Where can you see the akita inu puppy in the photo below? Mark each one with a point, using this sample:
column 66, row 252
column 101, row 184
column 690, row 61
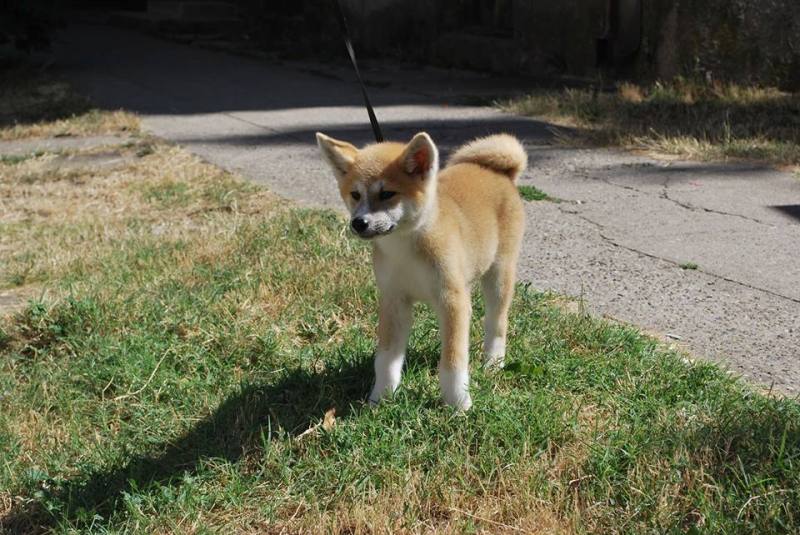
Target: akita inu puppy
column 433, row 233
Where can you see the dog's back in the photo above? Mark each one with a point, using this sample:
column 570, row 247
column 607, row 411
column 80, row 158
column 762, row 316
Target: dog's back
column 481, row 216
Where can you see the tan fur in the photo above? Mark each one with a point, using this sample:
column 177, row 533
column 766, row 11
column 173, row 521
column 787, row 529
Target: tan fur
column 467, row 225
column 501, row 153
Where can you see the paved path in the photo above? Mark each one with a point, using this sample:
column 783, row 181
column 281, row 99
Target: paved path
column 617, row 240
column 21, row 147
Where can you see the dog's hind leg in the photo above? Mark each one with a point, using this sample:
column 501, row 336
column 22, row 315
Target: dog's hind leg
column 454, row 311
column 394, row 326
column 498, row 290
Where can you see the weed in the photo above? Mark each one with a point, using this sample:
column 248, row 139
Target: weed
column 531, row 193
column 14, row 159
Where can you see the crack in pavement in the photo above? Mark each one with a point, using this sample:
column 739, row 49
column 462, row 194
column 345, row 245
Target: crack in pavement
column 694, row 208
column 601, row 229
column 664, row 194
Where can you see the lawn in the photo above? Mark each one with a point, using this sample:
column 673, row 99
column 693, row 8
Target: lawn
column 195, row 353
column 682, row 118
column 33, row 104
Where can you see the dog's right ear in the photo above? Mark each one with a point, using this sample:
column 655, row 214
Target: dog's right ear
column 339, row 154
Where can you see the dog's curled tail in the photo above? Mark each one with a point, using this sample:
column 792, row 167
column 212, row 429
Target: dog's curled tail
column 501, row 153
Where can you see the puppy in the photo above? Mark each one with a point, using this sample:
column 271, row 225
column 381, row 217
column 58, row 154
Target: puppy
column 434, row 232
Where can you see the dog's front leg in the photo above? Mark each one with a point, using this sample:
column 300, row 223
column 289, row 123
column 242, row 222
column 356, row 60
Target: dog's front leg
column 454, row 313
column 394, row 326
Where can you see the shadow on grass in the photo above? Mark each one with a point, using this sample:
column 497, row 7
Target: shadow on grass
column 774, row 118
column 293, row 403
column 740, row 122
column 28, row 96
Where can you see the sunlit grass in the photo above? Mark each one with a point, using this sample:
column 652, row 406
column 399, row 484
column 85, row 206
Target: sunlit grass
column 166, row 374
column 194, row 354
column 682, row 118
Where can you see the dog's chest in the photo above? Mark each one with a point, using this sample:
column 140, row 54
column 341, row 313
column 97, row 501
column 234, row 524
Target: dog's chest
column 399, row 268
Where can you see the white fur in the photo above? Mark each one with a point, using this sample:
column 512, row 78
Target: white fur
column 400, row 271
column 389, row 359
column 494, row 351
column 388, row 369
column 455, row 387
column 494, row 341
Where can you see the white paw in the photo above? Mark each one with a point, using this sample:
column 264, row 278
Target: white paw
column 496, row 362
column 494, row 353
column 388, row 370
column 380, row 391
column 455, row 388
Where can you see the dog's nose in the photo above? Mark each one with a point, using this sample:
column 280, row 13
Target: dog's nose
column 359, row 224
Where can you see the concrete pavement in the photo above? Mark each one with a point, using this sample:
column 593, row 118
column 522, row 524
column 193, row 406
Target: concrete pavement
column 617, row 240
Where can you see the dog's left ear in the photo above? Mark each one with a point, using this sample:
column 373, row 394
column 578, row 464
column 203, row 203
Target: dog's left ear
column 421, row 157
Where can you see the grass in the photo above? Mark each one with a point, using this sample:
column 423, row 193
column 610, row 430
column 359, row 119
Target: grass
column 682, row 118
column 191, row 334
column 532, row 193
column 33, row 104
column 689, row 265
column 12, row 159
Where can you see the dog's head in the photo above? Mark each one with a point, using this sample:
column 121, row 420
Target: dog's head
column 387, row 187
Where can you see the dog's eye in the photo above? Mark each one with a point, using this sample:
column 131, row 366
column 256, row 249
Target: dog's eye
column 384, row 195
column 355, row 195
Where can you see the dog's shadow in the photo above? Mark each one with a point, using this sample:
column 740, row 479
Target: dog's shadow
column 238, row 427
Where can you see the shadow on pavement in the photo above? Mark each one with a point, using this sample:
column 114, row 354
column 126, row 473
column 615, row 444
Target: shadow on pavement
column 446, row 133
column 791, row 210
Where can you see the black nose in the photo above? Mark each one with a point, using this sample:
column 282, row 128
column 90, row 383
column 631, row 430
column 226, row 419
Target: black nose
column 359, row 224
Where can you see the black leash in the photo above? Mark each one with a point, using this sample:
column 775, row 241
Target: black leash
column 376, row 128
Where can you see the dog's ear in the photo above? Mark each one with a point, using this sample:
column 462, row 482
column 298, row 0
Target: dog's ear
column 339, row 154
column 420, row 157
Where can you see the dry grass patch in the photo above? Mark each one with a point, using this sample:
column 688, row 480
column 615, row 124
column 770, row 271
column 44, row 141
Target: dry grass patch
column 91, row 123
column 33, row 104
column 682, row 118
column 53, row 219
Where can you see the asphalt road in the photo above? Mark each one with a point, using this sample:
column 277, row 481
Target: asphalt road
column 616, row 241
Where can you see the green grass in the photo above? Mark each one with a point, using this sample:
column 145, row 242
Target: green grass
column 689, row 265
column 532, row 193
column 34, row 104
column 13, row 159
column 166, row 376
column 168, row 194
column 682, row 118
